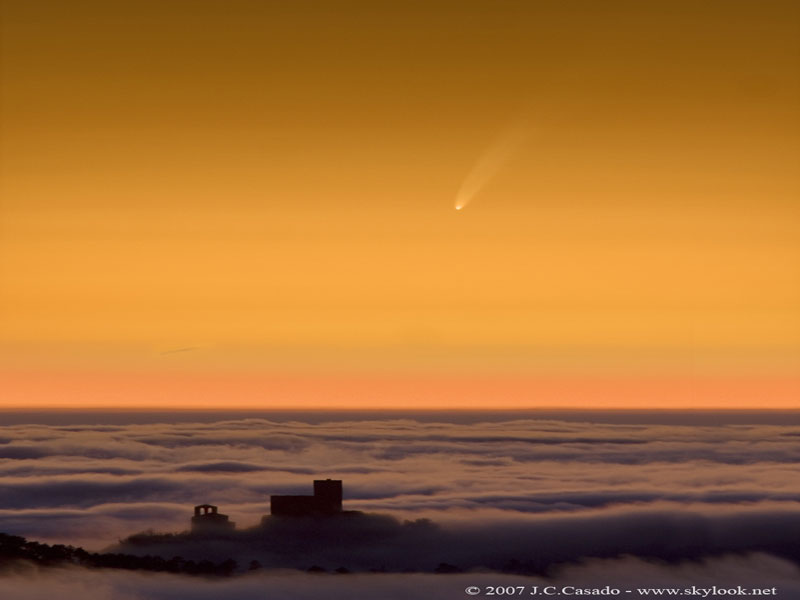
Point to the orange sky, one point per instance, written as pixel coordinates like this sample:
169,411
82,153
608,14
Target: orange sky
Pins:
246,203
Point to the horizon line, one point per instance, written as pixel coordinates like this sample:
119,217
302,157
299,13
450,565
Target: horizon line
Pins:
57,408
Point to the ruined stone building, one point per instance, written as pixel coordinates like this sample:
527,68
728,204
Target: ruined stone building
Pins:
207,520
327,500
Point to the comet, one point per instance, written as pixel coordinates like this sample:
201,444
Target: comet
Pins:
490,163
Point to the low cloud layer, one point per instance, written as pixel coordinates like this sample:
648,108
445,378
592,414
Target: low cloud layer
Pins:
496,540
621,504
92,484
749,571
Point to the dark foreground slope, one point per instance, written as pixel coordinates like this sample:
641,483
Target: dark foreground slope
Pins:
16,550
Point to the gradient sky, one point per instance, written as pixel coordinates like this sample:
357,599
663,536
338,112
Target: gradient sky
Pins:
215,203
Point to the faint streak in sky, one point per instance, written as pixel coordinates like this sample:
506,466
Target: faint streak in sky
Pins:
177,350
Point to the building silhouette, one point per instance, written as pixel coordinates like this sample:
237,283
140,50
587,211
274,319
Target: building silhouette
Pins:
207,520
327,500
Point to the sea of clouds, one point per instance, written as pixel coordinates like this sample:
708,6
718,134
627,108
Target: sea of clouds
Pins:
493,491
623,574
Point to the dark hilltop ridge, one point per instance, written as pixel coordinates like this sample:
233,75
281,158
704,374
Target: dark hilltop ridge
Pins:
325,502
299,529
315,533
